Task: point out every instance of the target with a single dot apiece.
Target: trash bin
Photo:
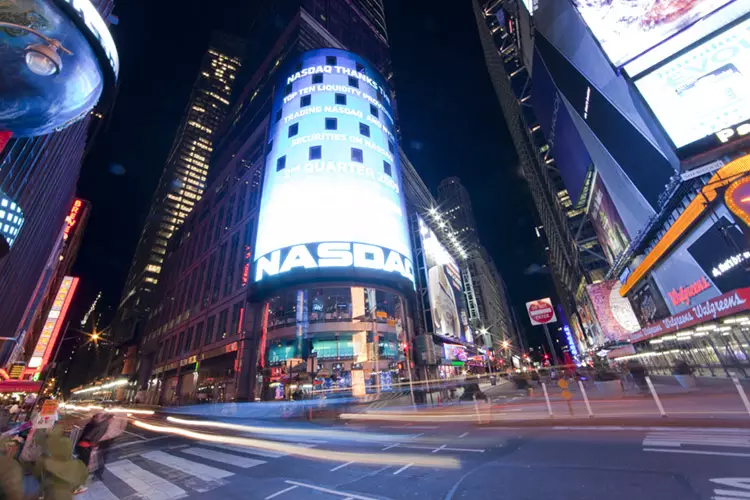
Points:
(493, 380)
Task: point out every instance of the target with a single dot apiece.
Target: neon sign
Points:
(72, 218)
(54, 322)
(685, 293)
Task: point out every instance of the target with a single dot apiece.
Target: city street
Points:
(552, 462)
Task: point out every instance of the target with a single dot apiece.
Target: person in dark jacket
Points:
(91, 438)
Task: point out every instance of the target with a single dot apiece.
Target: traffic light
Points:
(546, 356)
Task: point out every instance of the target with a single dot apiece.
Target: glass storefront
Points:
(330, 341)
(711, 349)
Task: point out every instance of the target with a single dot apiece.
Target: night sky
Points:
(450, 119)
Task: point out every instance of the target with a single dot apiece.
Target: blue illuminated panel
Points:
(332, 205)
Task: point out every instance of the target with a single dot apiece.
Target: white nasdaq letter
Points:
(335, 255)
(298, 256)
(368, 256)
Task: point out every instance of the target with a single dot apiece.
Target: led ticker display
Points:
(54, 322)
(626, 29)
(332, 204)
(705, 92)
(447, 307)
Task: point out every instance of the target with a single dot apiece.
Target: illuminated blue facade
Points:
(332, 206)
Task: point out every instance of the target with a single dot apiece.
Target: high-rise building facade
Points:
(654, 170)
(261, 290)
(39, 173)
(183, 179)
(487, 297)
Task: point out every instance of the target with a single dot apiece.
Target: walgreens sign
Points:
(725, 305)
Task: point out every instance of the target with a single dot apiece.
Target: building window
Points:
(198, 335)
(341, 99)
(188, 339)
(293, 129)
(210, 330)
(221, 331)
(288, 89)
(391, 147)
(270, 147)
(332, 124)
(331, 60)
(317, 78)
(353, 82)
(357, 155)
(280, 164)
(364, 129)
(360, 68)
(374, 111)
(387, 168)
(305, 101)
(278, 116)
(316, 152)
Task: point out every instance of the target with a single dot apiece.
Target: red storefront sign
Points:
(725, 305)
(72, 218)
(685, 293)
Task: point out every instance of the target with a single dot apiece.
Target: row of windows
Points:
(203, 334)
(316, 153)
(330, 124)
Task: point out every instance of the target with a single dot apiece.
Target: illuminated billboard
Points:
(705, 92)
(58, 59)
(626, 29)
(53, 324)
(616, 317)
(447, 308)
(332, 206)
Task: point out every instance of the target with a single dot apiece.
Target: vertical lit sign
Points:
(54, 322)
(72, 219)
(332, 206)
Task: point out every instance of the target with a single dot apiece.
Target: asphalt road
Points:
(493, 462)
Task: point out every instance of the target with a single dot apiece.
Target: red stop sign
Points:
(541, 312)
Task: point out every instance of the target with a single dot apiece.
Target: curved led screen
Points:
(38, 99)
(332, 206)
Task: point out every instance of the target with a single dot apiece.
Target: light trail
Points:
(313, 453)
(353, 436)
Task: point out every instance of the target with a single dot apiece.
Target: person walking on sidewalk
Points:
(87, 448)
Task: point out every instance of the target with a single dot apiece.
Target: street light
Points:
(41, 59)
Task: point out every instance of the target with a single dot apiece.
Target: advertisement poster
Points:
(616, 318)
(704, 91)
(449, 316)
(565, 143)
(627, 28)
(332, 205)
(610, 231)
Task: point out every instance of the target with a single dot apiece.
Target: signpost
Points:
(542, 313)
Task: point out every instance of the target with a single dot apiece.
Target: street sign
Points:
(541, 312)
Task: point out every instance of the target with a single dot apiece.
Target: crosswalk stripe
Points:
(188, 466)
(97, 491)
(248, 451)
(226, 458)
(148, 485)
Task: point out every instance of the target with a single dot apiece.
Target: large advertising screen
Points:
(722, 252)
(332, 206)
(607, 223)
(627, 28)
(447, 306)
(704, 91)
(616, 317)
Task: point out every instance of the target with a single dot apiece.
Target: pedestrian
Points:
(88, 447)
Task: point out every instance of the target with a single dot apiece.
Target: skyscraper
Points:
(487, 297)
(183, 179)
(455, 206)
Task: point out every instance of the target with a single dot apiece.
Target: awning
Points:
(19, 386)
